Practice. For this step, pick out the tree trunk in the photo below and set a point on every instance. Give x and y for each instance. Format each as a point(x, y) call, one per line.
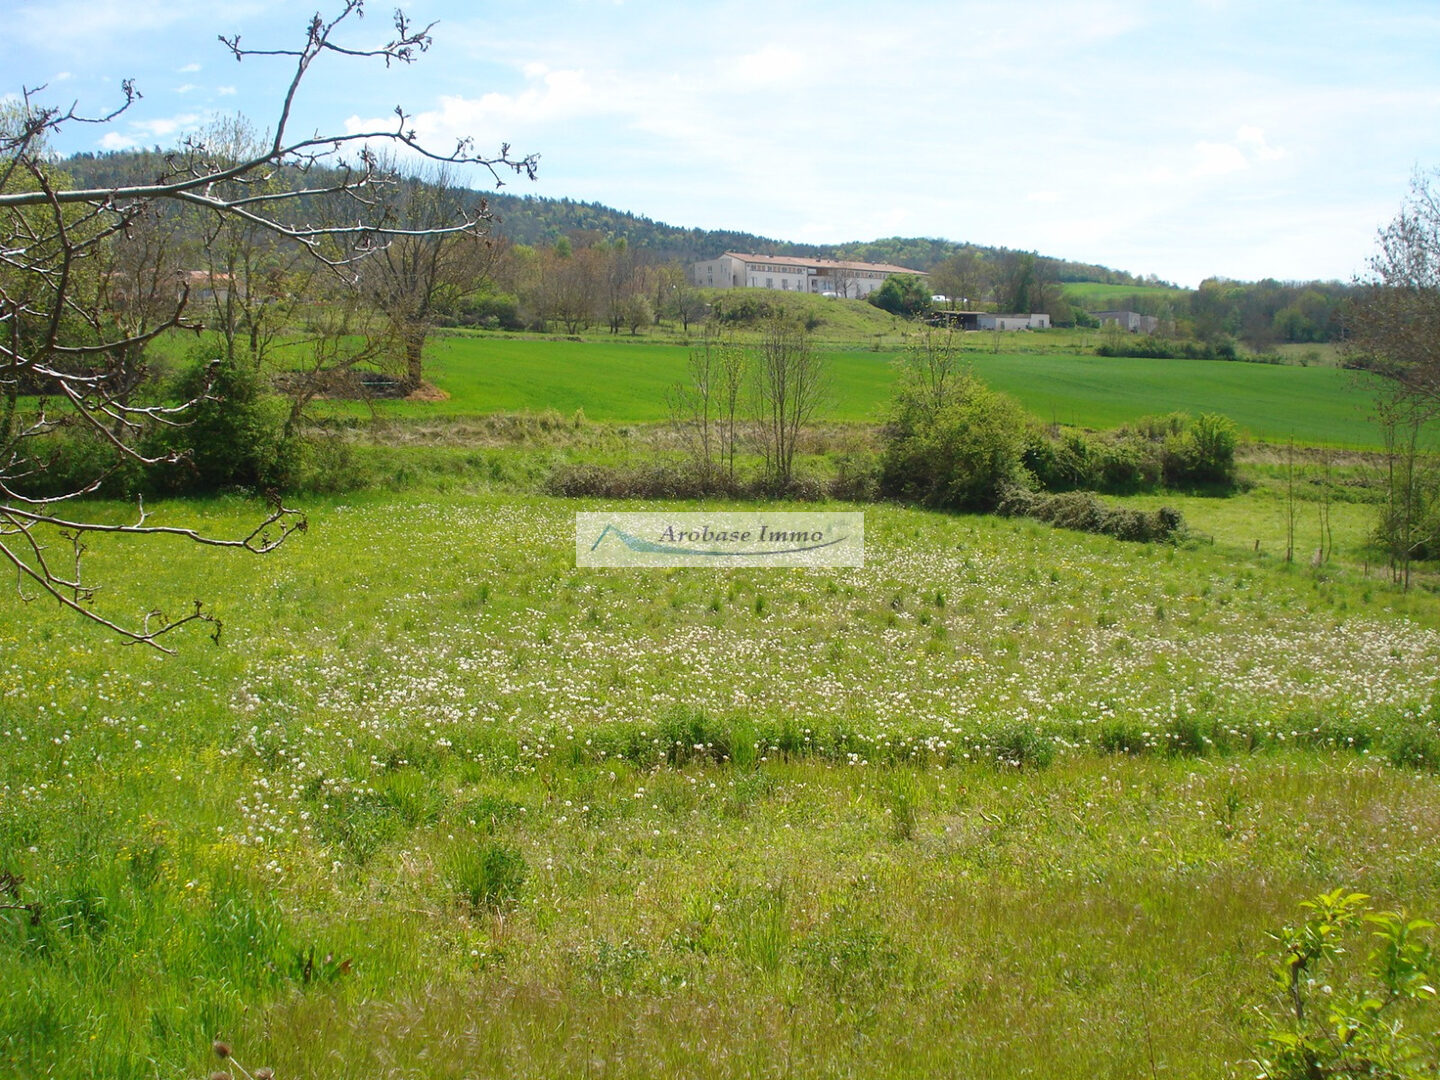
point(414, 347)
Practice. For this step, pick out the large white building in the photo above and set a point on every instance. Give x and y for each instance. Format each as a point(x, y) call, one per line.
point(852, 280)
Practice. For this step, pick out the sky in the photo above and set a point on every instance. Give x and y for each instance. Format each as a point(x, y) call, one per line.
point(1182, 138)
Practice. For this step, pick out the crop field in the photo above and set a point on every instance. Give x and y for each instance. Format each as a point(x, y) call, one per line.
point(1096, 296)
point(1007, 800)
point(628, 382)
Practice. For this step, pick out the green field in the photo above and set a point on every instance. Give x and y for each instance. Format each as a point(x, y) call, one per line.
point(613, 381)
point(1097, 297)
point(1006, 801)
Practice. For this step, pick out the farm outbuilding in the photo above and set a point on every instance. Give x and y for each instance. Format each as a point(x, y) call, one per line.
point(1131, 321)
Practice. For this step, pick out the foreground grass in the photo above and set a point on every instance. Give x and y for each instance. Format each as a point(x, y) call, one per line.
point(1007, 800)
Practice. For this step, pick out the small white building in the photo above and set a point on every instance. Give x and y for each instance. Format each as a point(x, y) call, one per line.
point(852, 280)
point(1034, 321)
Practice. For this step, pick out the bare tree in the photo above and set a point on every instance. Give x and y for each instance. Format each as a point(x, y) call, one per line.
point(1393, 332)
point(693, 405)
point(1409, 526)
point(57, 342)
point(705, 410)
point(429, 267)
point(1393, 327)
point(572, 281)
point(790, 386)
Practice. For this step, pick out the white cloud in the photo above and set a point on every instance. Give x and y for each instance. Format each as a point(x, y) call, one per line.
point(773, 67)
point(1252, 139)
point(188, 69)
point(1248, 147)
point(1217, 159)
point(157, 130)
point(551, 96)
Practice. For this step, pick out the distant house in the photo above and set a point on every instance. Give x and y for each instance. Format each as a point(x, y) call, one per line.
point(852, 280)
point(1130, 321)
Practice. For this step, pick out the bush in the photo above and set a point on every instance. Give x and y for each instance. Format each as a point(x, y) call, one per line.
point(1339, 1018)
point(959, 455)
point(1128, 462)
point(73, 458)
point(231, 439)
point(902, 294)
point(1152, 348)
point(1151, 453)
point(492, 311)
point(1062, 462)
point(1084, 512)
point(1204, 453)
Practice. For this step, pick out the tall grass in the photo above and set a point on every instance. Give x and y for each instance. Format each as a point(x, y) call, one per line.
point(1006, 800)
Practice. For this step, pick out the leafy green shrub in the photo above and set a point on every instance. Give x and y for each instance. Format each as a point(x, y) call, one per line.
point(74, 458)
point(232, 438)
point(744, 308)
point(958, 452)
point(857, 477)
point(492, 311)
point(1338, 1021)
point(902, 294)
point(1203, 452)
point(1062, 462)
point(1152, 348)
point(1128, 462)
point(1147, 454)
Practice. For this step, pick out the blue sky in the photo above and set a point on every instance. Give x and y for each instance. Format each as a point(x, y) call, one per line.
point(1187, 139)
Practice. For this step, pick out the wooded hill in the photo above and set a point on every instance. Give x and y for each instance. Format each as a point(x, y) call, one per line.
point(1261, 314)
point(530, 219)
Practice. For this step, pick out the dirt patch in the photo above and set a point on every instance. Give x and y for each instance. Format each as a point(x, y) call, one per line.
point(427, 392)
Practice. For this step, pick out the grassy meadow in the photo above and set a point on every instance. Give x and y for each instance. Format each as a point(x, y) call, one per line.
point(1007, 800)
point(1095, 296)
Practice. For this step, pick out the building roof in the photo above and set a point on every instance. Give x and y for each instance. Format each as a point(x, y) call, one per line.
point(822, 264)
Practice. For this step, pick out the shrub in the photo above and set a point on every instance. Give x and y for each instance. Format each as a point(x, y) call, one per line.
point(1085, 512)
point(902, 294)
point(1128, 462)
point(1148, 454)
point(1062, 462)
point(72, 458)
point(1339, 1022)
point(959, 453)
point(1203, 453)
point(233, 436)
point(493, 311)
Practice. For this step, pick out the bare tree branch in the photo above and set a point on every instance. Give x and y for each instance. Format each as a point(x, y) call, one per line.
point(76, 318)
